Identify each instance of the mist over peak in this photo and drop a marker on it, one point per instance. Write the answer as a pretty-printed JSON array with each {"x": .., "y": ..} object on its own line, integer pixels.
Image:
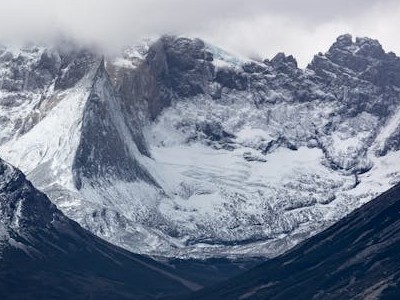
[{"x": 254, "y": 28}]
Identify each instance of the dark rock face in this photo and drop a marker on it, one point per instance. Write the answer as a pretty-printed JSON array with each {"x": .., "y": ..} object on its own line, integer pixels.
[
  {"x": 363, "y": 71},
  {"x": 232, "y": 79},
  {"x": 357, "y": 258},
  {"x": 177, "y": 67},
  {"x": 107, "y": 147},
  {"x": 189, "y": 66},
  {"x": 385, "y": 73},
  {"x": 343, "y": 54},
  {"x": 392, "y": 144},
  {"x": 253, "y": 67},
  {"x": 75, "y": 65},
  {"x": 250, "y": 157},
  {"x": 283, "y": 63},
  {"x": 365, "y": 56},
  {"x": 274, "y": 144},
  {"x": 50, "y": 61},
  {"x": 47, "y": 256},
  {"x": 213, "y": 131}
]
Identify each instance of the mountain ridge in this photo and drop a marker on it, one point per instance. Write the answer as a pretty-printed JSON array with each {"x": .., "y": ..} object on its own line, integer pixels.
[{"x": 179, "y": 149}]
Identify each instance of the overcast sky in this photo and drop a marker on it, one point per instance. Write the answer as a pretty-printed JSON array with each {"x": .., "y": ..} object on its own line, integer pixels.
[{"x": 258, "y": 28}]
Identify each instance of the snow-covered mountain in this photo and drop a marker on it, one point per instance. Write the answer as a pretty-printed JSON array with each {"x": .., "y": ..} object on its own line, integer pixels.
[
  {"x": 45, "y": 255},
  {"x": 177, "y": 148}
]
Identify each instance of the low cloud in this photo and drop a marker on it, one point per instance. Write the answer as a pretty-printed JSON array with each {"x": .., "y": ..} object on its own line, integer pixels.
[{"x": 258, "y": 28}]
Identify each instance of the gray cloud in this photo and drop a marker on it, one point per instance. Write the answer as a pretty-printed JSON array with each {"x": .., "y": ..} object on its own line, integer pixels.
[{"x": 249, "y": 27}]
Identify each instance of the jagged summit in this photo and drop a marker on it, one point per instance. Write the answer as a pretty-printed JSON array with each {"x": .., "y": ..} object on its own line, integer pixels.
[
  {"x": 364, "y": 57},
  {"x": 343, "y": 41},
  {"x": 362, "y": 46},
  {"x": 344, "y": 45},
  {"x": 283, "y": 63}
]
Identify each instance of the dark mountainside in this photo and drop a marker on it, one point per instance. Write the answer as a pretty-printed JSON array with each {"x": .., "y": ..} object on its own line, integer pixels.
[
  {"x": 44, "y": 255},
  {"x": 357, "y": 258}
]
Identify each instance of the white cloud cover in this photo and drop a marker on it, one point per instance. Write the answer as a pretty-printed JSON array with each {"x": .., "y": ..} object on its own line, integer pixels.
[{"x": 251, "y": 27}]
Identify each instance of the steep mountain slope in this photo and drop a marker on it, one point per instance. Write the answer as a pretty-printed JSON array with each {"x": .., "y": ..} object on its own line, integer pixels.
[
  {"x": 357, "y": 258},
  {"x": 44, "y": 255},
  {"x": 179, "y": 149}
]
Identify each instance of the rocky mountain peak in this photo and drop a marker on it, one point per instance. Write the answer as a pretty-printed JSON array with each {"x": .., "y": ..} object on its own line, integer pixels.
[
  {"x": 284, "y": 63},
  {"x": 362, "y": 58},
  {"x": 342, "y": 54},
  {"x": 362, "y": 46},
  {"x": 343, "y": 41},
  {"x": 185, "y": 64},
  {"x": 369, "y": 48}
]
